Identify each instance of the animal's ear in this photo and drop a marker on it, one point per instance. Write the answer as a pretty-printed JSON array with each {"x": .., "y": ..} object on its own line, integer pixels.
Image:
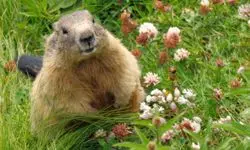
[{"x": 55, "y": 26}]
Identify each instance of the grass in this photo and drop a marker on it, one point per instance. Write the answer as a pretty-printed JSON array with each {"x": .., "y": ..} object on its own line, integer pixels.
[{"x": 24, "y": 24}]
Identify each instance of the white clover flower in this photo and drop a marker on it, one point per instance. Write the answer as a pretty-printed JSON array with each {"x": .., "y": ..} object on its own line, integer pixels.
[
  {"x": 156, "y": 92},
  {"x": 146, "y": 115},
  {"x": 177, "y": 92},
  {"x": 189, "y": 94},
  {"x": 157, "y": 109},
  {"x": 174, "y": 30},
  {"x": 227, "y": 119},
  {"x": 195, "y": 146},
  {"x": 151, "y": 79},
  {"x": 161, "y": 109},
  {"x": 197, "y": 119},
  {"x": 244, "y": 11},
  {"x": 168, "y": 135},
  {"x": 181, "y": 54},
  {"x": 182, "y": 100},
  {"x": 148, "y": 28},
  {"x": 205, "y": 3},
  {"x": 145, "y": 107},
  {"x": 241, "y": 70},
  {"x": 195, "y": 126},
  {"x": 169, "y": 97},
  {"x": 100, "y": 133},
  {"x": 173, "y": 106},
  {"x": 149, "y": 99},
  {"x": 161, "y": 99}
]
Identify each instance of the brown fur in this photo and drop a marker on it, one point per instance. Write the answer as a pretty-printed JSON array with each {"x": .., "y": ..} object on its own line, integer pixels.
[{"x": 72, "y": 83}]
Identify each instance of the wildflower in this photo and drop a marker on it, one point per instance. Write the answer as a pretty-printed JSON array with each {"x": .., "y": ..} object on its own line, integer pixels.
[
  {"x": 197, "y": 119},
  {"x": 177, "y": 92},
  {"x": 163, "y": 57},
  {"x": 218, "y": 1},
  {"x": 227, "y": 119},
  {"x": 158, "y": 121},
  {"x": 168, "y": 135},
  {"x": 205, "y": 3},
  {"x": 144, "y": 107},
  {"x": 151, "y": 79},
  {"x": 204, "y": 8},
  {"x": 218, "y": 94},
  {"x": 146, "y": 115},
  {"x": 190, "y": 125},
  {"x": 196, "y": 127},
  {"x": 241, "y": 70},
  {"x": 161, "y": 7},
  {"x": 149, "y": 29},
  {"x": 156, "y": 92},
  {"x": 244, "y": 11},
  {"x": 10, "y": 66},
  {"x": 151, "y": 145},
  {"x": 136, "y": 53},
  {"x": 172, "y": 37},
  {"x": 142, "y": 39},
  {"x": 157, "y": 109},
  {"x": 128, "y": 25},
  {"x": 181, "y": 54},
  {"x": 100, "y": 133},
  {"x": 173, "y": 107},
  {"x": 189, "y": 94},
  {"x": 195, "y": 146},
  {"x": 169, "y": 97},
  {"x": 219, "y": 62},
  {"x": 236, "y": 83},
  {"x": 232, "y": 2},
  {"x": 182, "y": 100},
  {"x": 121, "y": 130}
]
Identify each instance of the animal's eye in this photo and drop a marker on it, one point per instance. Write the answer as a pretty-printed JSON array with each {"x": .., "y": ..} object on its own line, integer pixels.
[
  {"x": 64, "y": 31},
  {"x": 93, "y": 20}
]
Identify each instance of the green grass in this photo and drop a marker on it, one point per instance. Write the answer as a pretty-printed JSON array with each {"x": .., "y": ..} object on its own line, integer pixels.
[{"x": 25, "y": 23}]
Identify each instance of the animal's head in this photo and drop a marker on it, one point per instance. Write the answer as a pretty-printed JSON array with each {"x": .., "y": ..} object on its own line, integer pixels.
[{"x": 78, "y": 35}]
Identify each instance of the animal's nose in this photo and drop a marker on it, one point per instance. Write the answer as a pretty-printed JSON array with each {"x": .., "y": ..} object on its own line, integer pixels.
[{"x": 87, "y": 39}]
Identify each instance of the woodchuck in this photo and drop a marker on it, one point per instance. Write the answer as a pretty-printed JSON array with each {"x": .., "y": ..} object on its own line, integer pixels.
[{"x": 85, "y": 68}]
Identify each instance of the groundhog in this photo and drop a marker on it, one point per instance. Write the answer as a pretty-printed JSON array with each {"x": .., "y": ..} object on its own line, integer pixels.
[{"x": 85, "y": 68}]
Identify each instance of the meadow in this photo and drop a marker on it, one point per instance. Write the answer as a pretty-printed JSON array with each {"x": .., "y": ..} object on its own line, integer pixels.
[{"x": 195, "y": 62}]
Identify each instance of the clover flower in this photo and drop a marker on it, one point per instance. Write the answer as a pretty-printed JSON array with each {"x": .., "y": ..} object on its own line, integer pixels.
[
  {"x": 121, "y": 130},
  {"x": 218, "y": 94},
  {"x": 204, "y": 7},
  {"x": 151, "y": 79},
  {"x": 189, "y": 94},
  {"x": 168, "y": 135},
  {"x": 181, "y": 54},
  {"x": 100, "y": 133},
  {"x": 172, "y": 37},
  {"x": 227, "y": 119},
  {"x": 149, "y": 29},
  {"x": 128, "y": 25},
  {"x": 244, "y": 11}
]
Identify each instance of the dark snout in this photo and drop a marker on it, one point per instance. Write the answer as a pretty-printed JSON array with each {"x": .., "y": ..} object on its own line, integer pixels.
[{"x": 87, "y": 41}]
